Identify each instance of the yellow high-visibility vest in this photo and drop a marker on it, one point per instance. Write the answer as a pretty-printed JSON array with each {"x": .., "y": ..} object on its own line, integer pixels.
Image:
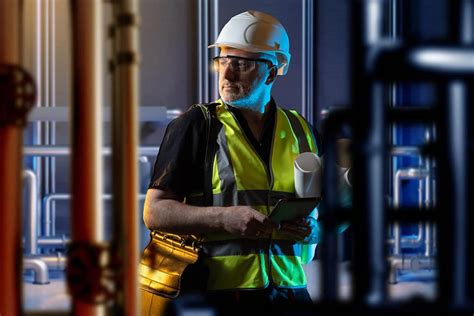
[{"x": 240, "y": 177}]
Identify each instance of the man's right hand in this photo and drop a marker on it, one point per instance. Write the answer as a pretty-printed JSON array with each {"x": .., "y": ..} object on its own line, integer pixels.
[{"x": 246, "y": 222}]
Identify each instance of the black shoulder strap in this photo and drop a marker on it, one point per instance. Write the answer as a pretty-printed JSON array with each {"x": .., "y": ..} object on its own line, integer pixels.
[{"x": 209, "y": 112}]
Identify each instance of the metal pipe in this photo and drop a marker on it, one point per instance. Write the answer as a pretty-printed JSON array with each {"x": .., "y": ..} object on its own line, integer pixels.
[
  {"x": 405, "y": 151},
  {"x": 203, "y": 54},
  {"x": 31, "y": 59},
  {"x": 49, "y": 223},
  {"x": 53, "y": 242},
  {"x": 213, "y": 33},
  {"x": 65, "y": 151},
  {"x": 411, "y": 173},
  {"x": 87, "y": 214},
  {"x": 57, "y": 262},
  {"x": 412, "y": 263},
  {"x": 12, "y": 120},
  {"x": 125, "y": 143},
  {"x": 48, "y": 218},
  {"x": 369, "y": 177},
  {"x": 428, "y": 202},
  {"x": 53, "y": 262},
  {"x": 308, "y": 59},
  {"x": 467, "y": 22},
  {"x": 39, "y": 267},
  {"x": 62, "y": 114},
  {"x": 32, "y": 228},
  {"x": 458, "y": 144}
]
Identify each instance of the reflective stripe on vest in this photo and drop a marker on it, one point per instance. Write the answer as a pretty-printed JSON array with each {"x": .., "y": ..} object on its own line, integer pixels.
[{"x": 240, "y": 177}]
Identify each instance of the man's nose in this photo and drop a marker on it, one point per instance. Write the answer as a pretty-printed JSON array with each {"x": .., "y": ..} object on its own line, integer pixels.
[{"x": 227, "y": 72}]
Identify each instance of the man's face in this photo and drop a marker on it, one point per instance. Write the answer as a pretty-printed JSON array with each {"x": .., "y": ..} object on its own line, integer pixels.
[{"x": 241, "y": 87}]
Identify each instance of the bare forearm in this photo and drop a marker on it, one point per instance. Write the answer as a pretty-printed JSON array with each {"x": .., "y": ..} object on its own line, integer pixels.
[
  {"x": 164, "y": 211},
  {"x": 176, "y": 217}
]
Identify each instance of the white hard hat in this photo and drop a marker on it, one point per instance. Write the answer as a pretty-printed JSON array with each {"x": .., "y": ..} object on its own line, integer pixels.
[{"x": 257, "y": 32}]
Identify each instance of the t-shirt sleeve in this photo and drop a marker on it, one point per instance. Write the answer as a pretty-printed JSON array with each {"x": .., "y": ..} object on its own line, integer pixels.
[{"x": 180, "y": 160}]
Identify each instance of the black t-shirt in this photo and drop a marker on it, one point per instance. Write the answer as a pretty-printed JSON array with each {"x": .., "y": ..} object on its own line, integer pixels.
[{"x": 179, "y": 166}]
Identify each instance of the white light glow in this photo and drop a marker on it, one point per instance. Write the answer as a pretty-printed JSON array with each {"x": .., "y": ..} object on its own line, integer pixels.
[{"x": 444, "y": 59}]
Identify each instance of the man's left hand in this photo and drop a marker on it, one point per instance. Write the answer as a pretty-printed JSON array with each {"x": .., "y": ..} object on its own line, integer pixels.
[{"x": 303, "y": 230}]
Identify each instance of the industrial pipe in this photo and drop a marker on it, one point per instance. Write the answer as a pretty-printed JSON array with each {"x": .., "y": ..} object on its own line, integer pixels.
[
  {"x": 125, "y": 143},
  {"x": 53, "y": 242},
  {"x": 52, "y": 262},
  {"x": 49, "y": 223},
  {"x": 17, "y": 96},
  {"x": 63, "y": 114},
  {"x": 85, "y": 271},
  {"x": 31, "y": 231},
  {"x": 65, "y": 151},
  {"x": 39, "y": 267},
  {"x": 411, "y": 173},
  {"x": 412, "y": 263}
]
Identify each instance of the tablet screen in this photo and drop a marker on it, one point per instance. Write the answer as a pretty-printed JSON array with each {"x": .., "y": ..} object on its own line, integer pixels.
[{"x": 290, "y": 209}]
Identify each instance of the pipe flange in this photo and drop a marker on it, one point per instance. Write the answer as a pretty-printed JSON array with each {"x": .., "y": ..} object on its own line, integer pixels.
[
  {"x": 17, "y": 95},
  {"x": 91, "y": 272}
]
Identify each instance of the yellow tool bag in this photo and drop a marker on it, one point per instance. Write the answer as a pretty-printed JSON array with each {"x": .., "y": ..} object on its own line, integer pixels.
[{"x": 161, "y": 268}]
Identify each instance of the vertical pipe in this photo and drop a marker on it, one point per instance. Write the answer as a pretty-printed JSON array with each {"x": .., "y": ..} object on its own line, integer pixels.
[
  {"x": 396, "y": 204},
  {"x": 452, "y": 169},
  {"x": 125, "y": 150},
  {"x": 457, "y": 110},
  {"x": 329, "y": 243},
  {"x": 203, "y": 55},
  {"x": 308, "y": 59},
  {"x": 86, "y": 209},
  {"x": 428, "y": 202},
  {"x": 52, "y": 99},
  {"x": 369, "y": 157},
  {"x": 467, "y": 22},
  {"x": 394, "y": 34},
  {"x": 31, "y": 60},
  {"x": 10, "y": 166},
  {"x": 31, "y": 233},
  {"x": 427, "y": 226},
  {"x": 213, "y": 33}
]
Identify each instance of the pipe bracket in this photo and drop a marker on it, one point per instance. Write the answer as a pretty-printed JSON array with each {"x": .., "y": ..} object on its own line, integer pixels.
[
  {"x": 91, "y": 272},
  {"x": 17, "y": 95}
]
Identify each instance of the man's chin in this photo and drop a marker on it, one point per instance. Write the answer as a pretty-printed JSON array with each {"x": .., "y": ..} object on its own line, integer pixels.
[{"x": 230, "y": 99}]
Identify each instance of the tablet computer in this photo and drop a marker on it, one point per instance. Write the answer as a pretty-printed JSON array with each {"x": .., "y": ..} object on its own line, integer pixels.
[{"x": 290, "y": 209}]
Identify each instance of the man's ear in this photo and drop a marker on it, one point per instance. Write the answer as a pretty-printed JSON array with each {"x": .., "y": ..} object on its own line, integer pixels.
[{"x": 272, "y": 75}]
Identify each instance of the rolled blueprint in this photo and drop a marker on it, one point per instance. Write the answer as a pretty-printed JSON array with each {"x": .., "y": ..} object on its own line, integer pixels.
[{"x": 308, "y": 173}]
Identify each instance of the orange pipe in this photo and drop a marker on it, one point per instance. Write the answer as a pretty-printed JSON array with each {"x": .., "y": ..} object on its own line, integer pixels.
[
  {"x": 125, "y": 140},
  {"x": 10, "y": 219},
  {"x": 10, "y": 174},
  {"x": 87, "y": 210}
]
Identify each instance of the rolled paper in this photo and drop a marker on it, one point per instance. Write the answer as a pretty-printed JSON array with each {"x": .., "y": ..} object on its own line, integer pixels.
[{"x": 307, "y": 173}]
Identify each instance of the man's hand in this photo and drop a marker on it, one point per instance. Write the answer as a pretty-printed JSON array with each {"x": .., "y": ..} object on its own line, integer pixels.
[
  {"x": 303, "y": 230},
  {"x": 246, "y": 222}
]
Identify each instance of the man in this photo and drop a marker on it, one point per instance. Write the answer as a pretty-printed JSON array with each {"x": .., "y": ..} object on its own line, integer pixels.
[{"x": 249, "y": 258}]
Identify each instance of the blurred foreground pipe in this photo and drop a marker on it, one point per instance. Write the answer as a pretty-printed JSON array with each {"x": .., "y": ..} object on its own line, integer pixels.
[
  {"x": 88, "y": 266},
  {"x": 17, "y": 95},
  {"x": 125, "y": 151}
]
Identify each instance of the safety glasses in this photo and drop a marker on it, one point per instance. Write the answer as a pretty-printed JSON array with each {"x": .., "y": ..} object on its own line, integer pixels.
[{"x": 239, "y": 64}]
